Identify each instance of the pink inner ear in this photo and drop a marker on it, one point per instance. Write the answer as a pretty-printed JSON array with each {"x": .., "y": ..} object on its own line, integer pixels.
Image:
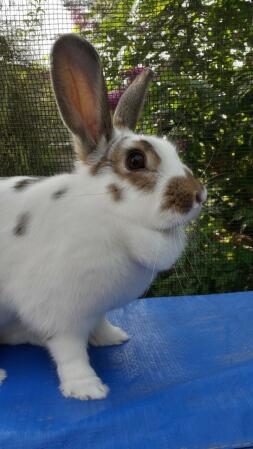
[{"x": 82, "y": 99}]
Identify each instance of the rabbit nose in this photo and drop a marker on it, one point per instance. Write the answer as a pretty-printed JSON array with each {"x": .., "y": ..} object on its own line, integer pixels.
[{"x": 201, "y": 196}]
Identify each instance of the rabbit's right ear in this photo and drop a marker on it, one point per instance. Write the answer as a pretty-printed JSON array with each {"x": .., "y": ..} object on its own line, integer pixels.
[{"x": 80, "y": 91}]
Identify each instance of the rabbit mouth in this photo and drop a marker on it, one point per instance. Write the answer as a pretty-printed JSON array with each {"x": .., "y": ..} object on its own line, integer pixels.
[
  {"x": 185, "y": 219},
  {"x": 181, "y": 220}
]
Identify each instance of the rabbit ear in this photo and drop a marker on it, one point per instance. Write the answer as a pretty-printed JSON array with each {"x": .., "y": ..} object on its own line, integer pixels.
[
  {"x": 130, "y": 104},
  {"x": 80, "y": 91}
]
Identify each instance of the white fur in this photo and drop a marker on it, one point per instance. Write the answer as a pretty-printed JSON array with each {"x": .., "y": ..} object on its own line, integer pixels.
[{"x": 82, "y": 253}]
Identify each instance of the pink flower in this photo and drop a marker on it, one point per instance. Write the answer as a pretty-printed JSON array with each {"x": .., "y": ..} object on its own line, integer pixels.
[{"x": 114, "y": 97}]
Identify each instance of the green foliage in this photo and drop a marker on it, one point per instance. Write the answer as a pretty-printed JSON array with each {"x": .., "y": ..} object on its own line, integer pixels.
[
  {"x": 201, "y": 53},
  {"x": 30, "y": 127}
]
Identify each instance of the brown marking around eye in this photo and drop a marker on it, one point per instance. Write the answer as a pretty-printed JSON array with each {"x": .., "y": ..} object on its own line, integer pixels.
[
  {"x": 22, "y": 223},
  {"x": 147, "y": 148},
  {"x": 24, "y": 183},
  {"x": 95, "y": 169},
  {"x": 142, "y": 179},
  {"x": 59, "y": 193},
  {"x": 180, "y": 193},
  {"x": 115, "y": 191}
]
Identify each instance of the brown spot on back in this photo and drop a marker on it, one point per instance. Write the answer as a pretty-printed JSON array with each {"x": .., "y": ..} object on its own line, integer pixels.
[
  {"x": 115, "y": 191},
  {"x": 22, "y": 223},
  {"x": 24, "y": 183},
  {"x": 59, "y": 193},
  {"x": 180, "y": 193}
]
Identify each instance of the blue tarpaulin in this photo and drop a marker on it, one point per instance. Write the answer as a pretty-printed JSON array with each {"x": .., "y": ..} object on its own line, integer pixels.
[{"x": 184, "y": 380}]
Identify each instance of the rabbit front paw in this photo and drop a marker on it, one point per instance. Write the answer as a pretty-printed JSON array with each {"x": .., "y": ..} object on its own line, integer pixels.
[{"x": 85, "y": 389}]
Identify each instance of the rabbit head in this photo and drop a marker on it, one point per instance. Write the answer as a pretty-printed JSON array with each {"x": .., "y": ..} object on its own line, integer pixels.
[{"x": 143, "y": 175}]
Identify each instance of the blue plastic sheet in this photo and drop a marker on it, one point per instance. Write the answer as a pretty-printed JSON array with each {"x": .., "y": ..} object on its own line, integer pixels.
[{"x": 184, "y": 380}]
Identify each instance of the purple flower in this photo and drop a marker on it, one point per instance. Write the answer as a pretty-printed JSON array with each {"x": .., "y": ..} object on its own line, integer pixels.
[
  {"x": 78, "y": 18},
  {"x": 132, "y": 73},
  {"x": 114, "y": 97}
]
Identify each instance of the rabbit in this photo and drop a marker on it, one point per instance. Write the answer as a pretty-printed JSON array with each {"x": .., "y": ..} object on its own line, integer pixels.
[{"x": 76, "y": 245}]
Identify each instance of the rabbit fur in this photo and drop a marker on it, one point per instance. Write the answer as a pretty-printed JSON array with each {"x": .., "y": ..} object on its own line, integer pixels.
[{"x": 76, "y": 245}]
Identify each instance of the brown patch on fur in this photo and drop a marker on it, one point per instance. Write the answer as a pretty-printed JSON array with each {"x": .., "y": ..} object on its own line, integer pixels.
[
  {"x": 147, "y": 148},
  {"x": 24, "y": 183},
  {"x": 142, "y": 179},
  {"x": 96, "y": 168},
  {"x": 115, "y": 191},
  {"x": 180, "y": 193},
  {"x": 145, "y": 182},
  {"x": 59, "y": 193},
  {"x": 21, "y": 226}
]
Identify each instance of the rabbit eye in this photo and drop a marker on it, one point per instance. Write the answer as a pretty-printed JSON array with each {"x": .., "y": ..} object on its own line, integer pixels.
[{"x": 135, "y": 160}]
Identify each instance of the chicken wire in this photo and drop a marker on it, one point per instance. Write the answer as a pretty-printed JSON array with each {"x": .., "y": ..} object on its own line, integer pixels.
[{"x": 201, "y": 98}]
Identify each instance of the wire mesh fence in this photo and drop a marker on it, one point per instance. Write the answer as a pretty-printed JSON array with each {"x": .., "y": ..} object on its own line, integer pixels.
[{"x": 201, "y": 98}]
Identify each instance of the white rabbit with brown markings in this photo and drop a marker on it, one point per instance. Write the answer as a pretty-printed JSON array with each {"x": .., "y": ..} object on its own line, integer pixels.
[{"x": 74, "y": 246}]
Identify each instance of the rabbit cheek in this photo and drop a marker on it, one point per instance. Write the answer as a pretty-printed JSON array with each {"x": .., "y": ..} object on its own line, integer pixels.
[
  {"x": 145, "y": 182},
  {"x": 180, "y": 194}
]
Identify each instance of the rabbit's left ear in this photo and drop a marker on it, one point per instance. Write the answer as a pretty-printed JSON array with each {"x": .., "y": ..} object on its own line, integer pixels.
[
  {"x": 80, "y": 91},
  {"x": 131, "y": 103}
]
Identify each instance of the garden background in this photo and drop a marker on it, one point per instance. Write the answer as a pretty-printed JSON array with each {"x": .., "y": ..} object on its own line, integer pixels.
[{"x": 201, "y": 98}]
